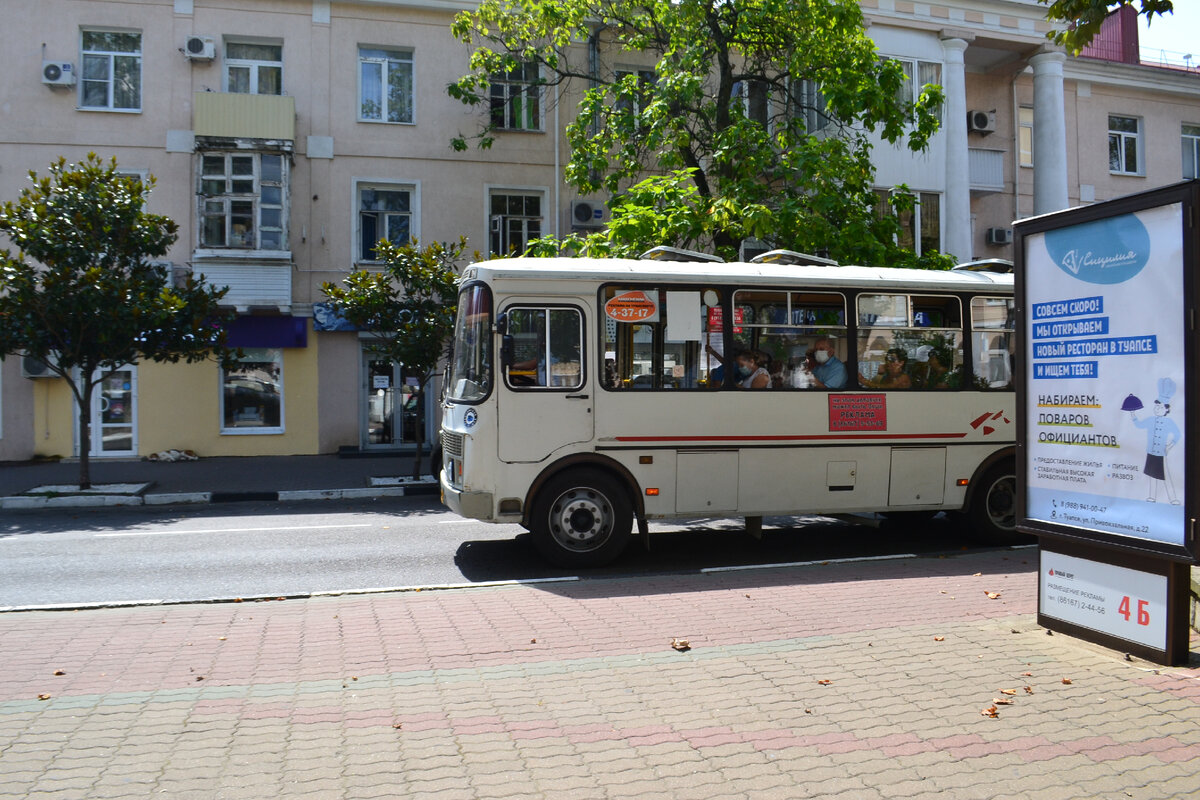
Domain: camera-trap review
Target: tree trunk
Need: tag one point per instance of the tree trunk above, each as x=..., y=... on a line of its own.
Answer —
x=85, y=437
x=419, y=430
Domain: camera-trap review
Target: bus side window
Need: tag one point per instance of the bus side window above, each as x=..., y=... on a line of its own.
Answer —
x=992, y=334
x=547, y=348
x=662, y=339
x=920, y=336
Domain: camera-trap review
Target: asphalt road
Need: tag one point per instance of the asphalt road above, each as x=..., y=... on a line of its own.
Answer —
x=136, y=554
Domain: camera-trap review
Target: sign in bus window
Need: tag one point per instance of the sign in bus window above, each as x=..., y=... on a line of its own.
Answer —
x=660, y=339
x=547, y=348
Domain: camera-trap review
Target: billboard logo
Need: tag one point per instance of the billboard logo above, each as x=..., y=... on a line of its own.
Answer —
x=1104, y=251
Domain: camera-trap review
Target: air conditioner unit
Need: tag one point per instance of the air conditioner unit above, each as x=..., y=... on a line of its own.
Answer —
x=200, y=48
x=981, y=121
x=58, y=73
x=999, y=236
x=587, y=214
x=34, y=367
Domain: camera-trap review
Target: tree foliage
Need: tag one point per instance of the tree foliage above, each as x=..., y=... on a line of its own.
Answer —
x=1083, y=18
x=746, y=118
x=408, y=307
x=82, y=293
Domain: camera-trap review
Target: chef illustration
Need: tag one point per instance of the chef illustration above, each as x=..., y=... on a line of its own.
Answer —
x=1161, y=435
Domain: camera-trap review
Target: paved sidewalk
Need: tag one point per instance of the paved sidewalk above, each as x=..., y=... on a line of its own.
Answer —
x=856, y=680
x=216, y=479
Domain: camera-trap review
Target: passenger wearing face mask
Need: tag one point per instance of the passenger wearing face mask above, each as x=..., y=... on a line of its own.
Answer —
x=828, y=371
x=751, y=373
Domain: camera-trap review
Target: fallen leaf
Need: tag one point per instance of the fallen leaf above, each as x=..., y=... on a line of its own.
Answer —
x=59, y=672
x=1008, y=692
x=398, y=725
x=199, y=677
x=1026, y=674
x=1028, y=690
x=43, y=697
x=993, y=595
x=991, y=711
x=221, y=638
x=353, y=677
x=682, y=645
x=1067, y=681
x=939, y=638
x=977, y=575
x=533, y=641
x=1002, y=701
x=824, y=682
x=808, y=711
x=942, y=591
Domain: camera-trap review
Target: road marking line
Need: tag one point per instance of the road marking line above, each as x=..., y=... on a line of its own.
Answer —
x=236, y=530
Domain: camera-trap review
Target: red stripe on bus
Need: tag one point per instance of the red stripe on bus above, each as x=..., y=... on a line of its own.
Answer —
x=796, y=438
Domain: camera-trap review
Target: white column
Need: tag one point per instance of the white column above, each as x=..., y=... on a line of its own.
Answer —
x=956, y=235
x=1049, y=134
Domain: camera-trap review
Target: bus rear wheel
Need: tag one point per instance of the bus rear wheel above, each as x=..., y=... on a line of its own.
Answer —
x=581, y=518
x=993, y=512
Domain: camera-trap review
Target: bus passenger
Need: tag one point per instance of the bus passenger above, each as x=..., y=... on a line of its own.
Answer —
x=751, y=371
x=893, y=375
x=828, y=372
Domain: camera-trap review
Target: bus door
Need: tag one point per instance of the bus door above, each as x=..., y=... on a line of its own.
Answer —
x=545, y=401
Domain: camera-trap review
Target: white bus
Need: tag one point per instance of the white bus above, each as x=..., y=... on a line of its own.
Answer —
x=586, y=394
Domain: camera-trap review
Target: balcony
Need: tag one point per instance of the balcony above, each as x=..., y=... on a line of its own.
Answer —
x=244, y=116
x=985, y=169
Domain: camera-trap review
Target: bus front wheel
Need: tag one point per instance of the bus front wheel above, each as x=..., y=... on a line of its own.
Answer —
x=993, y=512
x=582, y=518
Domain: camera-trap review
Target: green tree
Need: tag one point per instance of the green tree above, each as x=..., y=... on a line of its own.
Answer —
x=747, y=118
x=408, y=307
x=1084, y=17
x=82, y=294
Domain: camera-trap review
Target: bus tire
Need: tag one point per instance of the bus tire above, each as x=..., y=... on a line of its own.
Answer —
x=993, y=511
x=581, y=518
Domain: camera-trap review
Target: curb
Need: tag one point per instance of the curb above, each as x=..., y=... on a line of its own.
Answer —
x=19, y=502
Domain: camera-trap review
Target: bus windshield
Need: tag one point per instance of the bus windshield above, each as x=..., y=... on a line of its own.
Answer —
x=470, y=378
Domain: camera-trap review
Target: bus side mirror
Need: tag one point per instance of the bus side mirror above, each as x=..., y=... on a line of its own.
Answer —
x=502, y=323
x=506, y=351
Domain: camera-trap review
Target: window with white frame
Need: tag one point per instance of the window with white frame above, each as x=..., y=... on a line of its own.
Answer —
x=385, y=85
x=253, y=68
x=112, y=71
x=243, y=201
x=515, y=99
x=252, y=392
x=920, y=226
x=808, y=104
x=1191, y=151
x=635, y=103
x=515, y=220
x=1124, y=145
x=385, y=211
x=1025, y=136
x=918, y=74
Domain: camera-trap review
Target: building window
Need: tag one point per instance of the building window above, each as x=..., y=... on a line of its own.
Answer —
x=253, y=68
x=242, y=201
x=1124, y=144
x=384, y=212
x=1025, y=136
x=920, y=226
x=385, y=85
x=516, y=99
x=752, y=97
x=918, y=75
x=1191, y=152
x=635, y=102
x=112, y=71
x=516, y=219
x=252, y=392
x=808, y=104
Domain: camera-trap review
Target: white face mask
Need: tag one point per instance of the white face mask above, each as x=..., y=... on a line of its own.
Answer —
x=821, y=356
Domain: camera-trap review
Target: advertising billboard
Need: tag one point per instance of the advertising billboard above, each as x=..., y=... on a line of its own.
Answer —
x=1104, y=296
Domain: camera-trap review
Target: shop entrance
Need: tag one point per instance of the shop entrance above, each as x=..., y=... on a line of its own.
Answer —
x=114, y=415
x=393, y=407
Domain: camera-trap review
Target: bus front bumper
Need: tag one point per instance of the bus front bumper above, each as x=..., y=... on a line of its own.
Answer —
x=472, y=505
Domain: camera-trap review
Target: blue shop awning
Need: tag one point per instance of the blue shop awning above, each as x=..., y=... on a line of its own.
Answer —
x=284, y=331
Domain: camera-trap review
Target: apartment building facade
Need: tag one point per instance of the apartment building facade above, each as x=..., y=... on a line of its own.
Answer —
x=287, y=136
